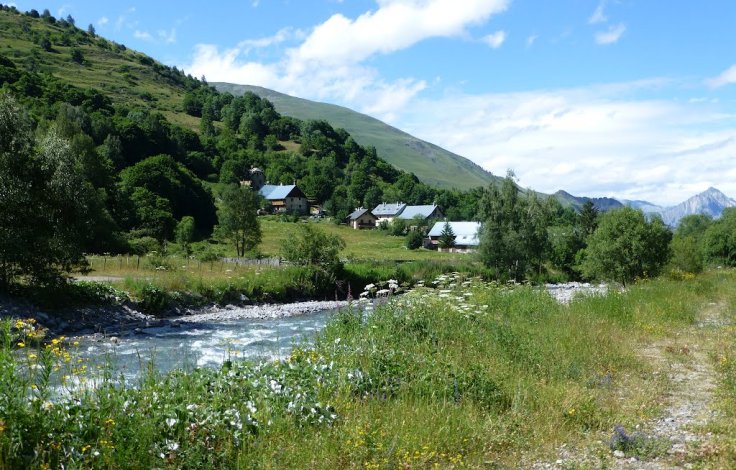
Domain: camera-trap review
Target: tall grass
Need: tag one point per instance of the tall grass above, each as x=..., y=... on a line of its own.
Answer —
x=466, y=373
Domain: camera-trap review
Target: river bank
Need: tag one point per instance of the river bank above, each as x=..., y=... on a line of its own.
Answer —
x=127, y=317
x=123, y=316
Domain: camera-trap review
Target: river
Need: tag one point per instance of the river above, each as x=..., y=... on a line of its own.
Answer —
x=204, y=341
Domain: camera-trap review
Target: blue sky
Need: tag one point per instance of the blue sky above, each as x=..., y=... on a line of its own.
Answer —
x=627, y=98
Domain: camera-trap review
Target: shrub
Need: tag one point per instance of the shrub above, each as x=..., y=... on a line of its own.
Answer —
x=414, y=240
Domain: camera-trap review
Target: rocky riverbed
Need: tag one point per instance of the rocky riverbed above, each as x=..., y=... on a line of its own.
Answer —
x=566, y=292
x=125, y=318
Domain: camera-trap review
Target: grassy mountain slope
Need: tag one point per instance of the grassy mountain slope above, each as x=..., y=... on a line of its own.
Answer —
x=127, y=77
x=432, y=164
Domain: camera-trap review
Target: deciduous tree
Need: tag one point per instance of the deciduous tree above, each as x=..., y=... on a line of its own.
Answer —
x=626, y=246
x=238, y=218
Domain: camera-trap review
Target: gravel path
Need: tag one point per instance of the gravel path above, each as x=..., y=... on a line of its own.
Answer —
x=689, y=406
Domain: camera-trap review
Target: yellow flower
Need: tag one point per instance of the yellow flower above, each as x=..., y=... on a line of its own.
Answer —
x=21, y=344
x=2, y=426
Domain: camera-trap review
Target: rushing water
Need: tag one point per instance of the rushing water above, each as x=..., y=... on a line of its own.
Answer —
x=203, y=344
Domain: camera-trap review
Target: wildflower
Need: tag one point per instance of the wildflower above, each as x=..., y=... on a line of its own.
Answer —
x=170, y=422
x=21, y=344
x=2, y=426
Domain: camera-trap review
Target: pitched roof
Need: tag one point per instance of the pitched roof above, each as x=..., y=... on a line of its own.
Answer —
x=388, y=210
x=412, y=211
x=273, y=192
x=466, y=233
x=357, y=213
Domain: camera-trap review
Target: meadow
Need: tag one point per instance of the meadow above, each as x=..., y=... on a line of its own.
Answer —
x=461, y=373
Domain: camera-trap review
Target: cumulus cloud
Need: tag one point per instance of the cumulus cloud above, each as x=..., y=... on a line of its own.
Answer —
x=495, y=39
x=611, y=35
x=326, y=65
x=598, y=15
x=726, y=77
x=402, y=23
x=594, y=141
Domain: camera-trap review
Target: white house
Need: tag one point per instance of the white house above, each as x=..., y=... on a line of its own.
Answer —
x=466, y=235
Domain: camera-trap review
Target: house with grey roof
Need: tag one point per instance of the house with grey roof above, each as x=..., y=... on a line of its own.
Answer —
x=466, y=236
x=387, y=212
x=285, y=198
x=362, y=218
x=425, y=212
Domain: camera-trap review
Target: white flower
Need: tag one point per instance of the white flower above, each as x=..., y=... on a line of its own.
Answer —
x=170, y=422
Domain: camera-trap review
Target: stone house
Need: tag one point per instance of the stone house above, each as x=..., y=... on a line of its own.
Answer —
x=362, y=218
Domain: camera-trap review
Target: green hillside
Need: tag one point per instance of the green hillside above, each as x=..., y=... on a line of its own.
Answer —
x=432, y=164
x=127, y=77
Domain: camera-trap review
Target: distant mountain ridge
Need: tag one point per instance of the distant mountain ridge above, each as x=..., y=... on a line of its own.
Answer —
x=601, y=203
x=710, y=202
x=430, y=163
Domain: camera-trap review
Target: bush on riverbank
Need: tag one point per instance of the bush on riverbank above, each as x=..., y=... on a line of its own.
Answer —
x=466, y=374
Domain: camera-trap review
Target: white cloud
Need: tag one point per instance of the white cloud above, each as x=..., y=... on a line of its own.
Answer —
x=281, y=36
x=122, y=20
x=595, y=141
x=495, y=39
x=326, y=65
x=611, y=35
x=142, y=35
x=63, y=11
x=103, y=21
x=401, y=23
x=168, y=37
x=531, y=40
x=598, y=15
x=726, y=77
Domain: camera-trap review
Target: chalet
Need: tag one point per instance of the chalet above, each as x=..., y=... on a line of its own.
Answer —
x=425, y=212
x=388, y=212
x=362, y=218
x=285, y=198
x=466, y=236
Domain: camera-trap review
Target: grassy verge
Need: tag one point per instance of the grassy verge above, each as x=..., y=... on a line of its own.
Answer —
x=465, y=374
x=159, y=282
